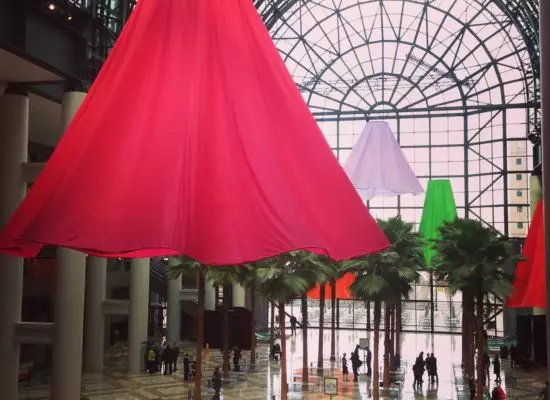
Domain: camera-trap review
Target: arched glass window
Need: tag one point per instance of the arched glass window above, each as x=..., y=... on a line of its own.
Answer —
x=453, y=78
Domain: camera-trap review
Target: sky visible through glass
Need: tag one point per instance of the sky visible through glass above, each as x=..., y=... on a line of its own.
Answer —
x=451, y=77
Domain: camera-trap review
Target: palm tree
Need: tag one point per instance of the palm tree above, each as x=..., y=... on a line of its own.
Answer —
x=374, y=281
x=387, y=277
x=329, y=274
x=409, y=247
x=305, y=368
x=313, y=268
x=283, y=278
x=333, y=320
x=278, y=282
x=321, y=326
x=272, y=325
x=471, y=258
x=227, y=277
x=248, y=278
x=185, y=265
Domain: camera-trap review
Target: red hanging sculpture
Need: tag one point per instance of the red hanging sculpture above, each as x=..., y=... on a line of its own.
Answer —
x=343, y=291
x=530, y=282
x=194, y=140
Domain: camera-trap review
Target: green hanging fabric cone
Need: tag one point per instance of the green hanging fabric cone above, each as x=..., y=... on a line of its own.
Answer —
x=439, y=207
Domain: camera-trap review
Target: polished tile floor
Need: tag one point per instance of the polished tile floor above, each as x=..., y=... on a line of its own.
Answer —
x=116, y=384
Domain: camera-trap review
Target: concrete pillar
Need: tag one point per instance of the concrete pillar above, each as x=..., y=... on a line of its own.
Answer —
x=209, y=296
x=139, y=312
x=69, y=324
x=239, y=296
x=94, y=335
x=14, y=117
x=69, y=299
x=174, y=305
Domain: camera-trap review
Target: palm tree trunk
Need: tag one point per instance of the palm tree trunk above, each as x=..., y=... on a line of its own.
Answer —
x=333, y=321
x=226, y=331
x=398, y=329
x=284, y=384
x=376, y=368
x=321, y=327
x=368, y=316
x=272, y=333
x=392, y=337
x=469, y=339
x=465, y=330
x=253, y=323
x=305, y=369
x=480, y=348
x=200, y=333
x=387, y=319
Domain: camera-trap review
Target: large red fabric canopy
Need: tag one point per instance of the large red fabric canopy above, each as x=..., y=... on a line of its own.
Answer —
x=194, y=140
x=342, y=288
x=530, y=282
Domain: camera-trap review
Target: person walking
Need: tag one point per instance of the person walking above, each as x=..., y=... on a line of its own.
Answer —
x=236, y=358
x=152, y=360
x=496, y=368
x=418, y=370
x=543, y=395
x=428, y=367
x=175, y=356
x=472, y=385
x=217, y=383
x=168, y=359
x=513, y=356
x=355, y=364
x=487, y=365
x=293, y=322
x=369, y=362
x=345, y=371
x=434, y=377
x=186, y=367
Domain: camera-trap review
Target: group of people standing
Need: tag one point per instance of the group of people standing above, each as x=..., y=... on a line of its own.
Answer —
x=162, y=358
x=420, y=365
x=356, y=364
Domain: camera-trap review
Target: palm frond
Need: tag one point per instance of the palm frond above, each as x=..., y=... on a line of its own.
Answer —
x=471, y=258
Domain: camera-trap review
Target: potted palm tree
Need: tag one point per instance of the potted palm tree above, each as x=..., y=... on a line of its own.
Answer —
x=247, y=276
x=187, y=264
x=329, y=274
x=283, y=278
x=387, y=277
x=408, y=245
x=313, y=268
x=225, y=277
x=471, y=258
x=373, y=282
x=278, y=282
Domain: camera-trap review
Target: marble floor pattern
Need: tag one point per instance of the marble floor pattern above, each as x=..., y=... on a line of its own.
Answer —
x=116, y=384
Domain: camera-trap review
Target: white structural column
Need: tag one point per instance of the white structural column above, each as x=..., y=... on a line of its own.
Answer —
x=94, y=335
x=239, y=296
x=174, y=305
x=14, y=116
x=69, y=299
x=139, y=312
x=69, y=324
x=209, y=296
x=544, y=43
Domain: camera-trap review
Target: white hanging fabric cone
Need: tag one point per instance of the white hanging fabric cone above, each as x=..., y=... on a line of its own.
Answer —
x=377, y=166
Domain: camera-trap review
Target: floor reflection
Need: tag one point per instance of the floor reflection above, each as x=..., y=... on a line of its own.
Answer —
x=116, y=384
